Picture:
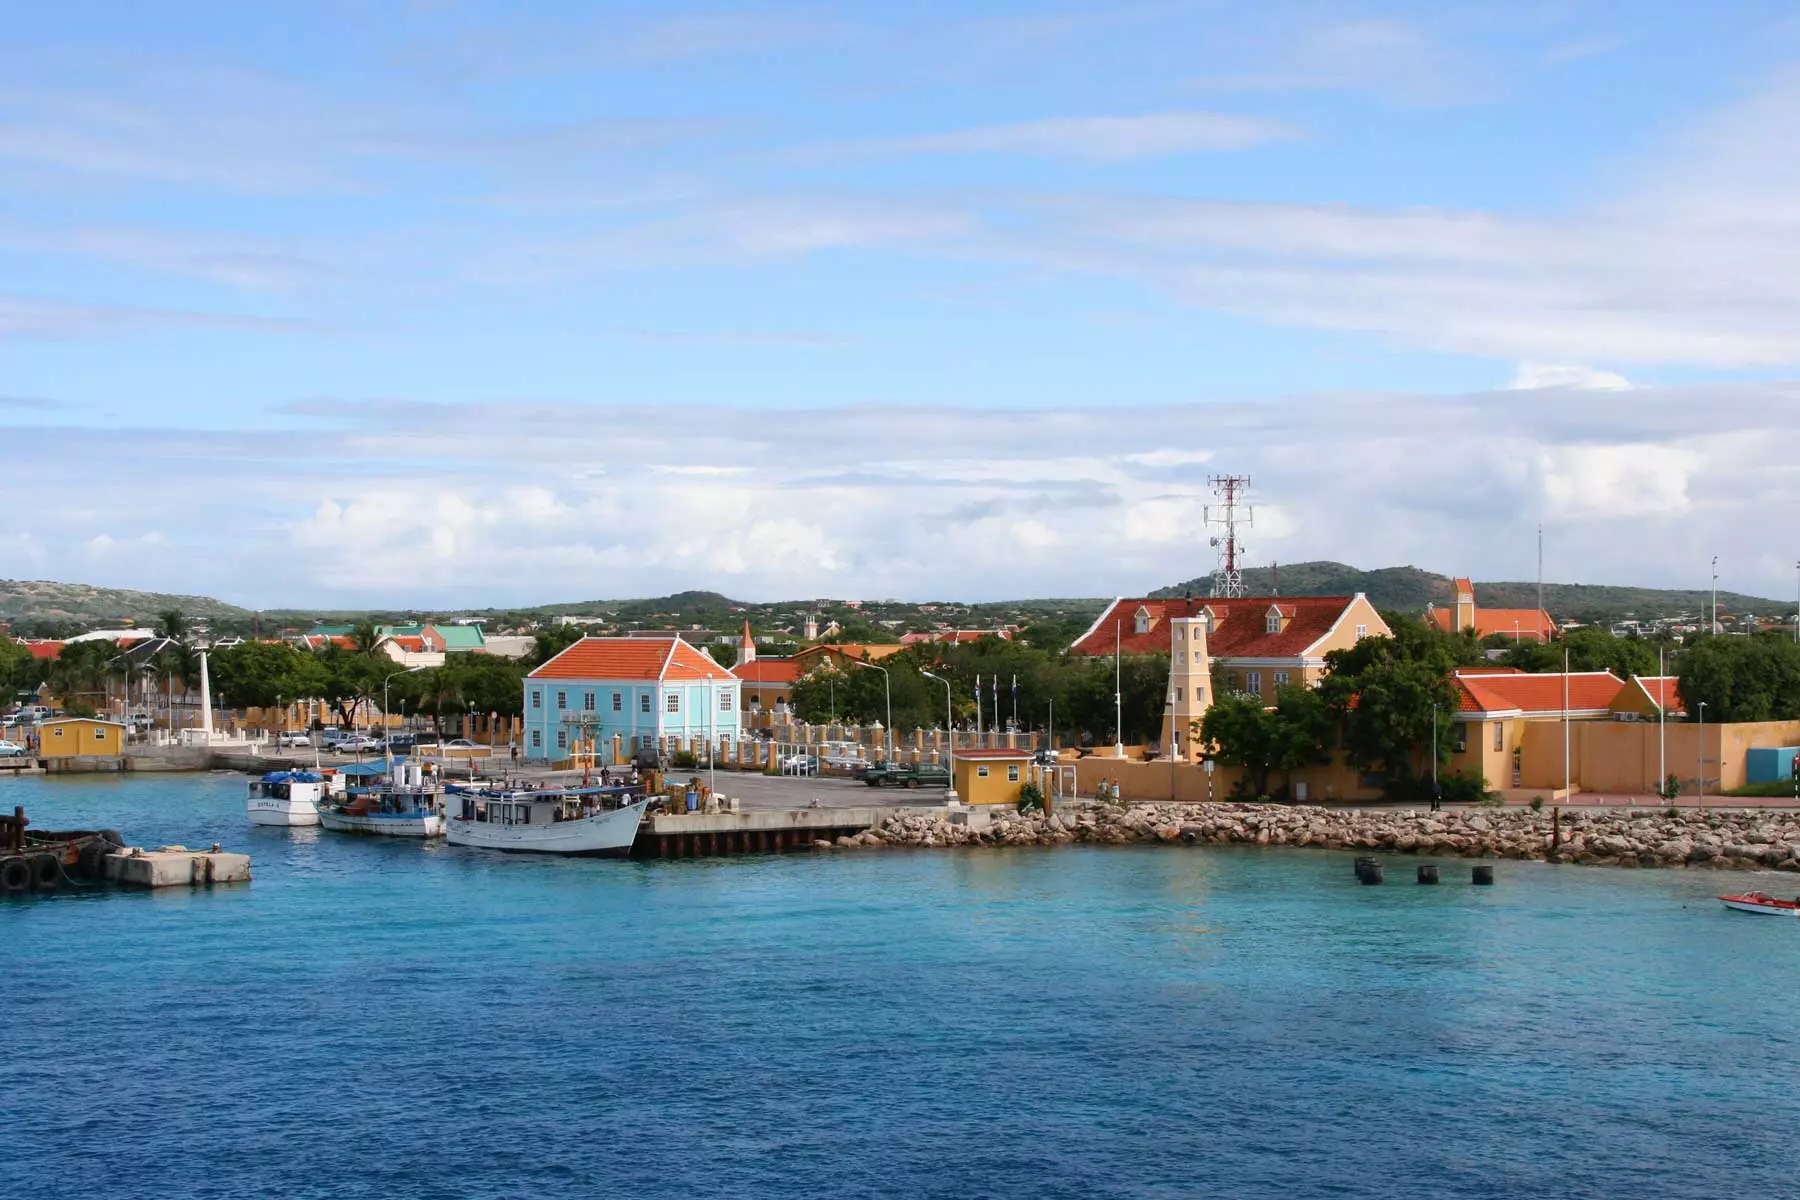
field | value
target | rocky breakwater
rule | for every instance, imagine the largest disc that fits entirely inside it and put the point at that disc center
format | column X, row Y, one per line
column 1747, row 840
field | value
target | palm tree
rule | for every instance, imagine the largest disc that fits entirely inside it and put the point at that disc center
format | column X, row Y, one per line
column 363, row 637
column 172, row 623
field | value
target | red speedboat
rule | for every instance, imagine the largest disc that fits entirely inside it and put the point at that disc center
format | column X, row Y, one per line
column 1762, row 902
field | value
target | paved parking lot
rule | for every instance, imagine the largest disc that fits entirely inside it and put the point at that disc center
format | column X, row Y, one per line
column 763, row 793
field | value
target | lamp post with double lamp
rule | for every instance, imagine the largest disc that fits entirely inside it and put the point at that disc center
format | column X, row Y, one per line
column 887, row 691
column 387, row 743
column 949, row 731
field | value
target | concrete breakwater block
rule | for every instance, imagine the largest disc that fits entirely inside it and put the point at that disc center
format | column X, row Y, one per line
column 176, row 866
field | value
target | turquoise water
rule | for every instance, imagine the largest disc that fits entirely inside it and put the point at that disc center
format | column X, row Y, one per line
column 376, row 1019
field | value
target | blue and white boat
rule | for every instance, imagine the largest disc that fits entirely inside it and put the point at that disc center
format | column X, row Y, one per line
column 403, row 806
column 286, row 798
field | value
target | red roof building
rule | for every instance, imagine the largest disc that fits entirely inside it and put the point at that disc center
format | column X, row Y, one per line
column 1493, row 695
column 42, row 649
column 1646, row 695
column 1521, row 624
column 1261, row 643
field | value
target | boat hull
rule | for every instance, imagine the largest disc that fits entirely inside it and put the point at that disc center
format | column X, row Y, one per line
column 283, row 813
column 604, row 835
column 380, row 824
column 1762, row 904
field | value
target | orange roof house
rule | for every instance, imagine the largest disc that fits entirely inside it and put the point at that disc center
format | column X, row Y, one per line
column 1647, row 695
column 608, row 695
column 1261, row 643
column 1523, row 624
column 1489, row 695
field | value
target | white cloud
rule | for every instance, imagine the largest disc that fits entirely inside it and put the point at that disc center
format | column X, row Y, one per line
column 1531, row 376
column 1629, row 486
column 1151, row 135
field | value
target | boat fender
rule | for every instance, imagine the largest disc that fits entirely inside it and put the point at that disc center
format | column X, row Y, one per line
column 93, row 859
column 46, row 872
column 15, row 875
column 113, row 836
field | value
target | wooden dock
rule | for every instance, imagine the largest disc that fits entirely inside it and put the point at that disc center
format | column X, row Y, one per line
column 693, row 835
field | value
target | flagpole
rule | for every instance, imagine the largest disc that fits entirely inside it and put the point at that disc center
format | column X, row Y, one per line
column 978, row 712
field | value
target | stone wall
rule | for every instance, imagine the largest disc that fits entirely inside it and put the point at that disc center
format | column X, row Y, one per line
column 1756, row 839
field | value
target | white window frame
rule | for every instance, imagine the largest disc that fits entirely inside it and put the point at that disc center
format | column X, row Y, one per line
column 981, row 772
column 725, row 702
column 672, row 703
column 1272, row 623
column 1362, row 631
column 537, row 697
column 644, row 703
column 562, row 739
column 1253, row 682
column 618, row 701
column 537, row 739
column 562, row 699
column 589, row 701
column 1012, row 773
column 1280, row 679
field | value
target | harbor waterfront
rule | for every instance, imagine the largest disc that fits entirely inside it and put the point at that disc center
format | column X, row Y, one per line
column 384, row 1017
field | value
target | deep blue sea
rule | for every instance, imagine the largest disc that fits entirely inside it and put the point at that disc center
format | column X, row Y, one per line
column 377, row 1019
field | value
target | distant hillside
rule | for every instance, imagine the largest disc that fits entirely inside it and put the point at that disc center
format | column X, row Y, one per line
column 81, row 604
column 1409, row 589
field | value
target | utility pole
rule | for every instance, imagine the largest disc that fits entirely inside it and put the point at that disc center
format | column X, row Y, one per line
column 1712, row 616
column 1540, row 574
column 1700, row 755
column 1568, row 775
column 1118, row 693
column 1662, row 729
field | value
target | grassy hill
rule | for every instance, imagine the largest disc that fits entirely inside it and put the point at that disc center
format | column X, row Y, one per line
column 82, row 604
column 39, row 606
column 1409, row 589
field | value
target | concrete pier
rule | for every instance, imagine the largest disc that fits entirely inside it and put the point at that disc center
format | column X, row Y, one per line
column 692, row 835
column 176, row 866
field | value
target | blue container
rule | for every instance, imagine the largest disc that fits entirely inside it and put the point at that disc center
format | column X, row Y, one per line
column 1770, row 764
column 693, row 801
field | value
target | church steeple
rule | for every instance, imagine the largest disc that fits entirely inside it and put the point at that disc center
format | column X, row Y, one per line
column 747, row 651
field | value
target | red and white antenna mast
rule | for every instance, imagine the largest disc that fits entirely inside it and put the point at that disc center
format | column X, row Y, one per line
column 1232, row 511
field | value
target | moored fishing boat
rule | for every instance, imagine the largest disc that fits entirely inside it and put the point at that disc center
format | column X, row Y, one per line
column 286, row 798
column 1761, row 902
column 597, row 821
column 405, row 806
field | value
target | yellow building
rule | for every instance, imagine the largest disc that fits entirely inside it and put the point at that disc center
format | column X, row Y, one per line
column 990, row 776
column 67, row 737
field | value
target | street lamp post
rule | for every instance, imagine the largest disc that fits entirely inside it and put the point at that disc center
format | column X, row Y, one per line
column 387, row 743
column 888, row 692
column 949, row 730
column 1712, row 616
column 1700, row 755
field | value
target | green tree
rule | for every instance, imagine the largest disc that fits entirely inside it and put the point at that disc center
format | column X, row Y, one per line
column 17, row 668
column 1588, row 650
column 1742, row 678
column 553, row 641
column 1381, row 694
column 80, row 673
column 262, row 674
column 1242, row 733
column 363, row 637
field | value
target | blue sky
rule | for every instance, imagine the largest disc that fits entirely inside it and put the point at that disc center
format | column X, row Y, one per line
column 905, row 300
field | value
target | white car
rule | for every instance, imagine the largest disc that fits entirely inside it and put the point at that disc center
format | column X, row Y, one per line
column 356, row 743
column 458, row 744
column 11, row 750
column 291, row 740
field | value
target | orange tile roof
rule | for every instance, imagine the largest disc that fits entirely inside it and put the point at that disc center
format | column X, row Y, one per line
column 1513, row 692
column 631, row 658
column 768, row 670
column 1512, row 622
column 44, row 649
column 993, row 752
column 1664, row 692
column 1240, row 626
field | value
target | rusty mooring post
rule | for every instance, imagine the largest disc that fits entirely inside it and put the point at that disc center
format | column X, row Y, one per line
column 1555, row 829
column 13, row 828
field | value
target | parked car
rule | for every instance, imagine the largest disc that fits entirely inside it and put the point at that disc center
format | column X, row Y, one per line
column 293, row 739
column 458, row 744
column 1044, row 758
column 401, row 743
column 895, row 775
column 11, row 750
column 356, row 743
column 799, row 764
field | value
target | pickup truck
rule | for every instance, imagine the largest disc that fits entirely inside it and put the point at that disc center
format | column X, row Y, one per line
column 897, row 775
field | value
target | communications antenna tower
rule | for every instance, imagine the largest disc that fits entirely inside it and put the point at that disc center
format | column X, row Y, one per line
column 1231, row 512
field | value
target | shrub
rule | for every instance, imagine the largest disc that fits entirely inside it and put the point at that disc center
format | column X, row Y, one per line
column 1031, row 797
column 1537, row 804
column 1463, row 788
column 682, row 760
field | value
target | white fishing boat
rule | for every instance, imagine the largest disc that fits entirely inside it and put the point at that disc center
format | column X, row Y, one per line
column 406, row 806
column 286, row 798
column 588, row 821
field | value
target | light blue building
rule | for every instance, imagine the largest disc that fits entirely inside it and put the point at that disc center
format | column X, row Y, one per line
column 629, row 694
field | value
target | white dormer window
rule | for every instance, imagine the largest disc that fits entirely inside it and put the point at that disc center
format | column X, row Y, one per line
column 1141, row 622
column 1272, row 622
column 1208, row 614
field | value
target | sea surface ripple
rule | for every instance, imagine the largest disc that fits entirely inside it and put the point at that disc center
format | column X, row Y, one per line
column 377, row 1019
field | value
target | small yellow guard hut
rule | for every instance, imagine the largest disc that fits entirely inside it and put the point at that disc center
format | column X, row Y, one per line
column 990, row 776
column 68, row 737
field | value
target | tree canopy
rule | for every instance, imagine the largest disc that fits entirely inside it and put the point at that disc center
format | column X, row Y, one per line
column 1742, row 678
